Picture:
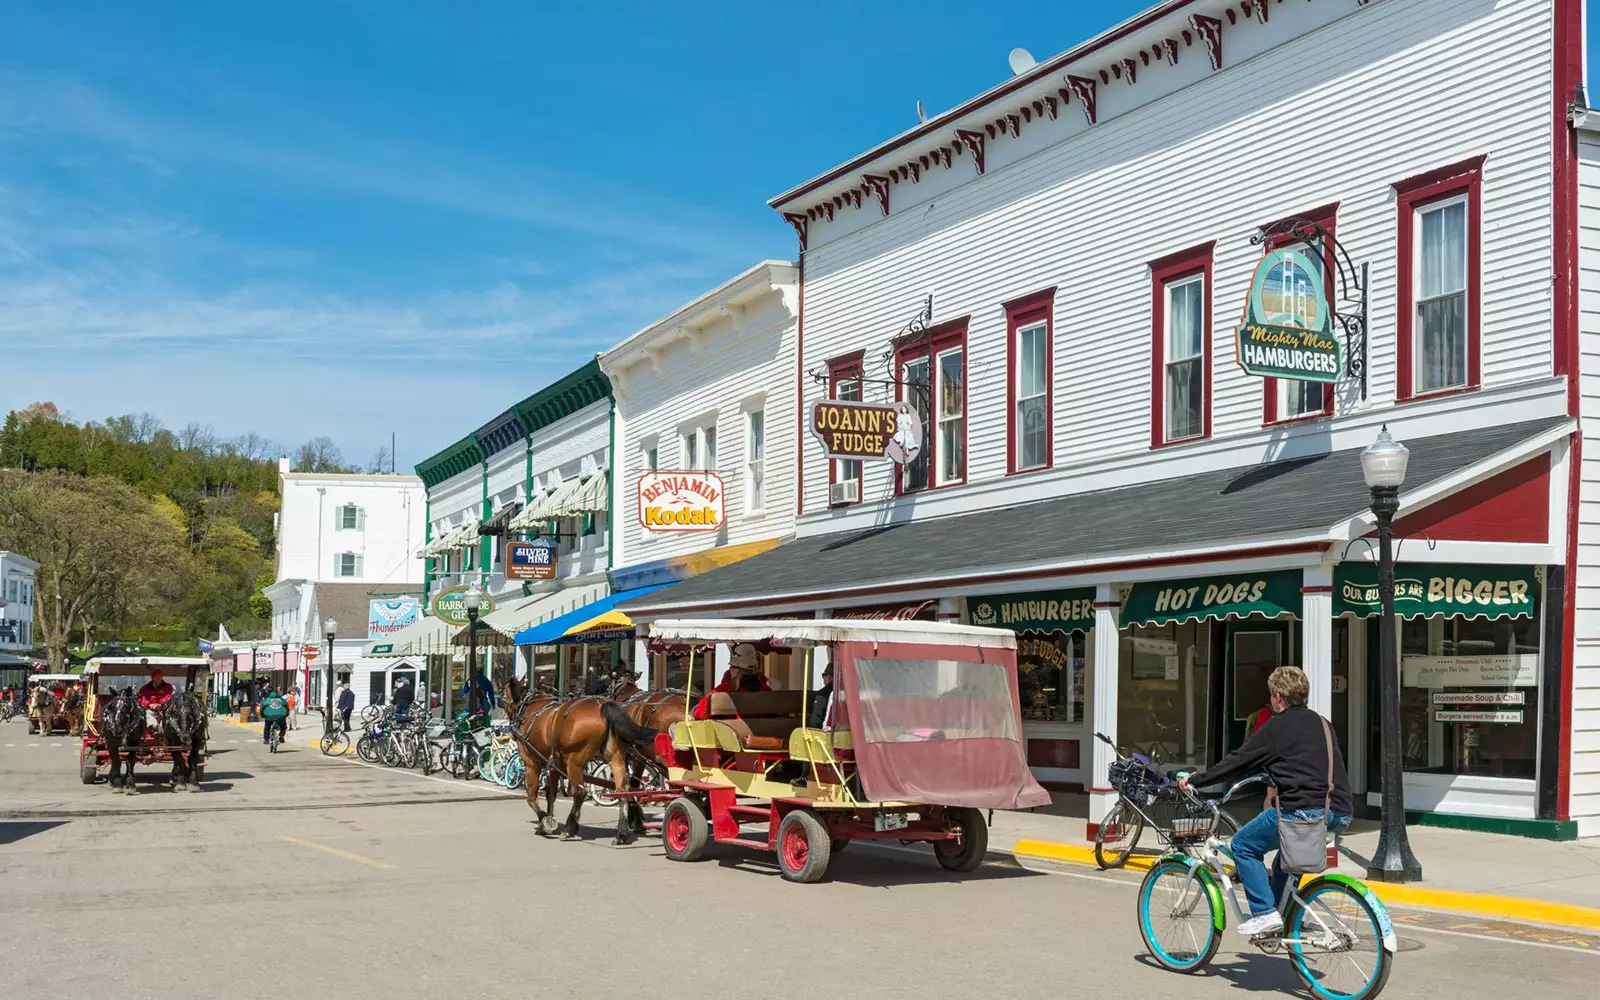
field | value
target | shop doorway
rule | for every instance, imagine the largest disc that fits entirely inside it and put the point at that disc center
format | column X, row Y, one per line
column 1254, row 650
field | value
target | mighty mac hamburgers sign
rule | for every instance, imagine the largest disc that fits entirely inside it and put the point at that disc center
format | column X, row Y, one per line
column 1287, row 329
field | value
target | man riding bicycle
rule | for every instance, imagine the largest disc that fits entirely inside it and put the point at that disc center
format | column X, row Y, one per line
column 274, row 716
column 1292, row 749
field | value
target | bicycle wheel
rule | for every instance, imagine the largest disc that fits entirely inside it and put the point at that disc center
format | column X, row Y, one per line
column 1176, row 918
column 1117, row 835
column 389, row 753
column 370, row 713
column 432, row 757
column 367, row 748
column 1336, row 942
column 516, row 773
column 486, row 764
column 334, row 743
column 600, row 795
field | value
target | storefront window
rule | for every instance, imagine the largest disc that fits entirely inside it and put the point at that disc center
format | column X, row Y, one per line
column 1469, row 695
column 1164, row 690
column 1050, row 669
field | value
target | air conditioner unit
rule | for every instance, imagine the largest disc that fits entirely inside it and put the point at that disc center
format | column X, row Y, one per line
column 848, row 491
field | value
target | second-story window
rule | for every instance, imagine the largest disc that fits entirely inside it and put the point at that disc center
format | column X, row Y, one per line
column 347, row 564
column 1438, row 252
column 755, row 461
column 844, row 475
column 697, row 448
column 933, row 380
column 1181, row 382
column 350, row 518
column 1028, row 325
column 652, row 460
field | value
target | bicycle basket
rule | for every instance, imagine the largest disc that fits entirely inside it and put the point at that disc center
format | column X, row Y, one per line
column 1178, row 818
column 482, row 737
column 1132, row 780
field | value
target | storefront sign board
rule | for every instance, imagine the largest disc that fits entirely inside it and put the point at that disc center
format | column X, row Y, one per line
column 450, row 605
column 1502, row 718
column 680, row 501
column 1424, row 590
column 1045, row 611
column 1479, row 698
column 1496, row 670
column 868, row 432
column 1287, row 329
column 530, row 560
column 1169, row 601
column 391, row 614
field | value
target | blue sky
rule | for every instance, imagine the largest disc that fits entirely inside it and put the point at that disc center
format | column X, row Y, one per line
column 350, row 218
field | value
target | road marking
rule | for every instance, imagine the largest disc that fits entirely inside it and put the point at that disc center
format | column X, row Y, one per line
column 33, row 744
column 57, row 744
column 334, row 851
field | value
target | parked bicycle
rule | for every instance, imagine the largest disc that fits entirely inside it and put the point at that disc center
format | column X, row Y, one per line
column 1144, row 787
column 1336, row 933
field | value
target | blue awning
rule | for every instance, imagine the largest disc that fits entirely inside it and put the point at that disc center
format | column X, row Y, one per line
column 554, row 632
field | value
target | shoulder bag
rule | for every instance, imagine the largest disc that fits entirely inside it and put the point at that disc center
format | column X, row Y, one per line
column 1303, row 843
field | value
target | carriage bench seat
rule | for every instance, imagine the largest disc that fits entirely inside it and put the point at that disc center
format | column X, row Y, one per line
column 762, row 720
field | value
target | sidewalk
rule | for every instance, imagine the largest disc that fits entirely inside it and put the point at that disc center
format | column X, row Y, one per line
column 1483, row 874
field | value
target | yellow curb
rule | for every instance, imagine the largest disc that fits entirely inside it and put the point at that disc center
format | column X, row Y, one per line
column 1476, row 903
column 255, row 727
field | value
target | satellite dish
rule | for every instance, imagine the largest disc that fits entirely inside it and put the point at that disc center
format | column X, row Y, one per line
column 922, row 114
column 1021, row 61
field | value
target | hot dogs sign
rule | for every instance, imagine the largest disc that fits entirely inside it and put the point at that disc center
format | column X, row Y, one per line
column 867, row 432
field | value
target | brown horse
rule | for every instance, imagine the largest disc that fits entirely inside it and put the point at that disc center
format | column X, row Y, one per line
column 559, row 737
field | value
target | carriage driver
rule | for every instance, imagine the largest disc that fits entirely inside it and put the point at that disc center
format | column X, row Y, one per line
column 744, row 674
column 153, row 697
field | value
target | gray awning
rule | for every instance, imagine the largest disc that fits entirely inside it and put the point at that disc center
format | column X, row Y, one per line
column 1297, row 495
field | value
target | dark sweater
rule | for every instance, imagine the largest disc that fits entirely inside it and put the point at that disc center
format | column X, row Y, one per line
column 1289, row 749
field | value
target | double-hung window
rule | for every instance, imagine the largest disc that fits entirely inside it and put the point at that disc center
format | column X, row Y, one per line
column 933, row 381
column 1181, row 355
column 346, row 564
column 698, row 448
column 755, row 461
column 350, row 518
column 1439, row 249
column 652, row 460
column 1028, row 326
column 844, row 474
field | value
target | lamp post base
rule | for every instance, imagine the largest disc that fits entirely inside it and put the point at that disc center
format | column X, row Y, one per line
column 1393, row 861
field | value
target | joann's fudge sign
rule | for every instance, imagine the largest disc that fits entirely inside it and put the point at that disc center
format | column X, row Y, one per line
column 867, row 432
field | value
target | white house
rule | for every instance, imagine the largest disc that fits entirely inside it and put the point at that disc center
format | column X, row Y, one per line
column 1053, row 279
column 710, row 391
column 17, row 579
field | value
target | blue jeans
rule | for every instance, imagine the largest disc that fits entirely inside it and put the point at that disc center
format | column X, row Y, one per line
column 1250, row 846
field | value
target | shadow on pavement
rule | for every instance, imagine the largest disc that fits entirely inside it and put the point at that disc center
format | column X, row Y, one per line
column 1253, row 972
column 11, row 832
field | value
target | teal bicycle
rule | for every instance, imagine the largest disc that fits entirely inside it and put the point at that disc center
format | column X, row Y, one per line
column 1336, row 933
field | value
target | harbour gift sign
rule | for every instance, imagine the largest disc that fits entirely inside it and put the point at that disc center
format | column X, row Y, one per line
column 867, row 432
column 451, row 605
column 1287, row 329
column 680, row 501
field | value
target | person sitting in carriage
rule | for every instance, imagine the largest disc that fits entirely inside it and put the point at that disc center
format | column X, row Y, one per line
column 743, row 675
column 153, row 697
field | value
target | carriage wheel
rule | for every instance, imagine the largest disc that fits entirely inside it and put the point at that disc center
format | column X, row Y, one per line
column 804, row 847
column 965, row 853
column 685, row 829
column 87, row 772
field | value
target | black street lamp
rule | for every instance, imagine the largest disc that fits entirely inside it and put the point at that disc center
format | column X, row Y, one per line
column 1383, row 465
column 252, row 662
column 283, row 640
column 474, row 602
column 331, row 627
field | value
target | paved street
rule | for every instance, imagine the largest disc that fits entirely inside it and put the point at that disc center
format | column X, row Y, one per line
column 362, row 882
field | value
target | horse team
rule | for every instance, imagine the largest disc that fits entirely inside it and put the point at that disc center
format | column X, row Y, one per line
column 180, row 730
column 558, row 736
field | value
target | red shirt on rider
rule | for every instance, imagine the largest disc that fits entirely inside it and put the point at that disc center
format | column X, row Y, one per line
column 155, row 694
column 742, row 675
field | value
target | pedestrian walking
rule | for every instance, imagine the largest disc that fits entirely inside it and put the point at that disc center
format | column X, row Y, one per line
column 346, row 704
column 293, row 699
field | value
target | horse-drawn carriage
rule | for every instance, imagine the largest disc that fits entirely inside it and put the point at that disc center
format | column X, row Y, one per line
column 924, row 733
column 119, row 733
column 52, row 702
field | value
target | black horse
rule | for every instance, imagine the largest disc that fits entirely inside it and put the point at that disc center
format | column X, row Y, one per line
column 121, row 726
column 183, row 725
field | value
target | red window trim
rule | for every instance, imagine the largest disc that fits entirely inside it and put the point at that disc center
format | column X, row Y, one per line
column 929, row 343
column 1411, row 194
column 1326, row 216
column 1024, row 311
column 843, row 368
column 1183, row 264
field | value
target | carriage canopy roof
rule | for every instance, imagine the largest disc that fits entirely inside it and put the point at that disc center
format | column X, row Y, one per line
column 824, row 631
column 38, row 678
column 128, row 666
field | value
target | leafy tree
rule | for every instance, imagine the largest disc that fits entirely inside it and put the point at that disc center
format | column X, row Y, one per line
column 319, row 454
